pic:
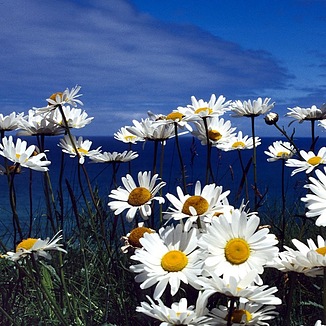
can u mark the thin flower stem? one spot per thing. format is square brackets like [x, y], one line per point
[289, 297]
[209, 172]
[313, 138]
[244, 175]
[254, 160]
[182, 167]
[30, 193]
[283, 206]
[231, 308]
[324, 295]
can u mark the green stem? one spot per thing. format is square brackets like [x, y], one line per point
[283, 207]
[209, 172]
[254, 160]
[182, 167]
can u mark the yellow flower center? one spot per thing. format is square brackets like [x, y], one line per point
[174, 116]
[26, 244]
[314, 160]
[129, 137]
[174, 261]
[139, 196]
[214, 135]
[238, 314]
[199, 203]
[54, 95]
[282, 154]
[238, 144]
[237, 251]
[208, 110]
[136, 234]
[82, 150]
[321, 251]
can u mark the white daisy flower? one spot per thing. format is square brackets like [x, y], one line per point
[107, 157]
[280, 150]
[200, 109]
[244, 314]
[76, 118]
[147, 129]
[219, 131]
[318, 323]
[203, 204]
[250, 109]
[309, 163]
[178, 314]
[38, 124]
[62, 98]
[236, 248]
[37, 248]
[174, 117]
[170, 257]
[312, 113]
[127, 137]
[316, 198]
[239, 142]
[131, 240]
[136, 198]
[25, 156]
[11, 121]
[237, 288]
[82, 146]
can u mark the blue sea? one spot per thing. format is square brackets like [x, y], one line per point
[29, 185]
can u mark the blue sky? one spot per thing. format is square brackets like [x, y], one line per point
[131, 56]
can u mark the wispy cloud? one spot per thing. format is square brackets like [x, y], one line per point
[125, 61]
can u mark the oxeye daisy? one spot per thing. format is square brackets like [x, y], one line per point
[170, 257]
[309, 163]
[203, 204]
[175, 117]
[132, 238]
[235, 247]
[239, 142]
[280, 150]
[25, 156]
[136, 198]
[178, 314]
[11, 121]
[316, 198]
[107, 157]
[200, 109]
[244, 314]
[127, 137]
[37, 248]
[312, 113]
[70, 146]
[251, 109]
[219, 131]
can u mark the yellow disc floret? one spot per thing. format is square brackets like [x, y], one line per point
[214, 135]
[240, 316]
[175, 116]
[238, 144]
[136, 234]
[314, 160]
[26, 244]
[321, 251]
[174, 261]
[237, 251]
[139, 196]
[208, 110]
[199, 203]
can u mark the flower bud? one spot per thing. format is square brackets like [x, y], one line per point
[271, 118]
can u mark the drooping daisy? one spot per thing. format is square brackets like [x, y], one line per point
[312, 113]
[107, 157]
[170, 257]
[136, 198]
[62, 98]
[309, 163]
[251, 109]
[237, 288]
[131, 240]
[236, 248]
[149, 130]
[127, 137]
[70, 146]
[316, 198]
[219, 131]
[244, 314]
[11, 121]
[25, 156]
[37, 124]
[178, 314]
[280, 150]
[203, 204]
[37, 248]
[200, 109]
[76, 118]
[239, 142]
